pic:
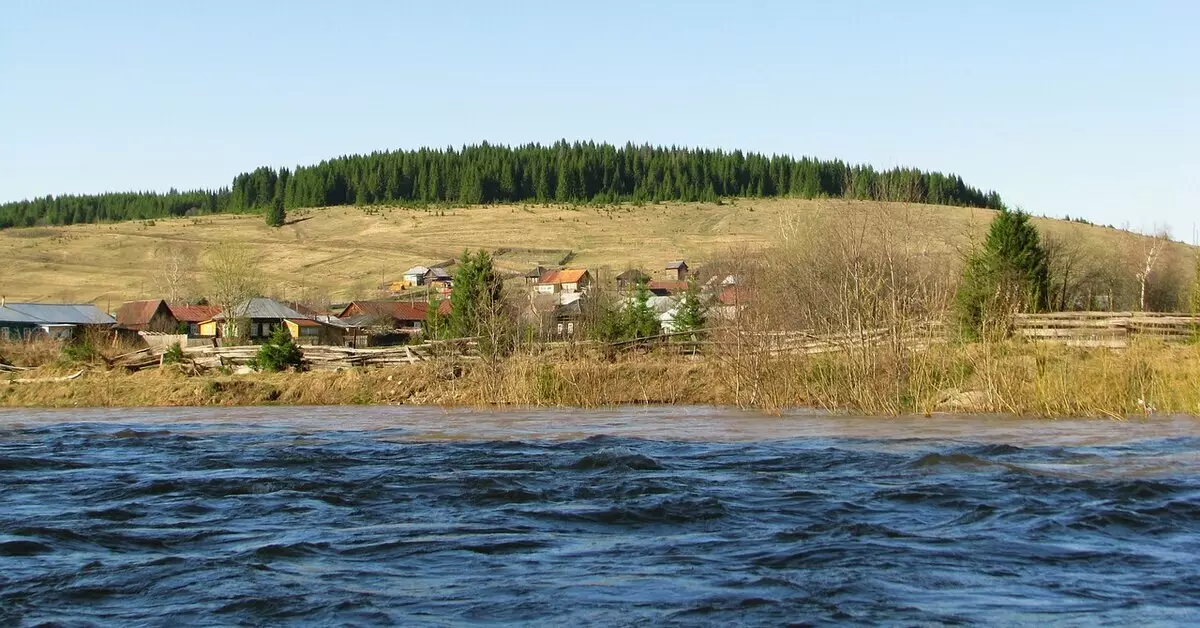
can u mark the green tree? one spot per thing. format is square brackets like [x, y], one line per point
[476, 296]
[437, 325]
[692, 314]
[279, 352]
[1009, 274]
[276, 214]
[641, 321]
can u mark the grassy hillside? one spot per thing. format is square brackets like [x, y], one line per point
[346, 252]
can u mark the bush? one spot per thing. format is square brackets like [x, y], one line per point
[279, 353]
[173, 354]
[81, 351]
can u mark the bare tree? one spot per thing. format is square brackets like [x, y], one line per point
[232, 276]
[1152, 247]
[175, 279]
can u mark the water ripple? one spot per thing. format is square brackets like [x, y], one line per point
[119, 524]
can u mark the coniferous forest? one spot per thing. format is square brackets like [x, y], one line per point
[562, 173]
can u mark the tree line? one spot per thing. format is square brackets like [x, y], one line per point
[564, 172]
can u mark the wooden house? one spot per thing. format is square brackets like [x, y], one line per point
[566, 280]
[667, 288]
[153, 315]
[629, 279]
[680, 268]
[192, 316]
[56, 320]
[259, 317]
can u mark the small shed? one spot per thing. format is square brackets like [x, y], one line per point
[680, 267]
[416, 275]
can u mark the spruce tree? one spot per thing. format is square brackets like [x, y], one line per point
[641, 321]
[276, 215]
[477, 293]
[691, 314]
[1009, 274]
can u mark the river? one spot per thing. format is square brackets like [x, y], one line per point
[630, 516]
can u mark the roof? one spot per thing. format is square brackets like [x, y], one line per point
[439, 273]
[573, 309]
[138, 313]
[670, 287]
[536, 272]
[398, 310]
[262, 307]
[733, 295]
[633, 274]
[54, 313]
[194, 313]
[303, 322]
[672, 265]
[417, 270]
[568, 275]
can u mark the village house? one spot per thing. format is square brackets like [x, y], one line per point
[259, 317]
[152, 316]
[567, 280]
[556, 315]
[416, 275]
[629, 279]
[535, 275]
[667, 288]
[24, 321]
[192, 316]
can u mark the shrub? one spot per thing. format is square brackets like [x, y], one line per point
[279, 353]
[173, 354]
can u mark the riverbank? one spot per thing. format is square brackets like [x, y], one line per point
[1013, 377]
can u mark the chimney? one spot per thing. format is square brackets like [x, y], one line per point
[1, 300]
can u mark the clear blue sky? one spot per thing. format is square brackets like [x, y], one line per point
[1087, 108]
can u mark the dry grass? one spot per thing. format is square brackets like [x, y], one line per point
[1010, 377]
[345, 252]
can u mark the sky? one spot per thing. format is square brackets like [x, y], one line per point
[1079, 108]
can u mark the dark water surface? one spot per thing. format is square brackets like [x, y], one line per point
[370, 516]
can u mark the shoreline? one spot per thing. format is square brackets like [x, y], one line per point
[1015, 379]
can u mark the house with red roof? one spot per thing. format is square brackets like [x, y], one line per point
[565, 280]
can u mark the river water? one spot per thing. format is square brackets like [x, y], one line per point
[676, 516]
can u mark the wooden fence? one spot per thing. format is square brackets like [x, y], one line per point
[1082, 329]
[1105, 329]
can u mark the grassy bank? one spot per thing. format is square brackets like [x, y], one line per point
[1010, 377]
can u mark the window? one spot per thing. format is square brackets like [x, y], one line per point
[4, 333]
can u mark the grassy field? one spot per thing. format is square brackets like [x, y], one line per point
[346, 252]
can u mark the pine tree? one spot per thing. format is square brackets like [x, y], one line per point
[1009, 274]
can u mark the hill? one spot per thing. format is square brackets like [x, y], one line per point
[345, 252]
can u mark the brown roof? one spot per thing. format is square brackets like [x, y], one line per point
[303, 322]
[194, 313]
[396, 310]
[569, 275]
[670, 287]
[137, 313]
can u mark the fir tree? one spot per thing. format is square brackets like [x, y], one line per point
[476, 295]
[276, 215]
[641, 321]
[691, 315]
[1008, 274]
